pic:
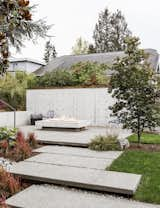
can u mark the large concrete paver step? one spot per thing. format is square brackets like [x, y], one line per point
[92, 179]
[46, 196]
[82, 152]
[73, 161]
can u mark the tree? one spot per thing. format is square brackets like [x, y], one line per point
[91, 49]
[50, 52]
[134, 87]
[16, 25]
[110, 32]
[80, 47]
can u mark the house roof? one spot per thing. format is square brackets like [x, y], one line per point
[65, 62]
[15, 60]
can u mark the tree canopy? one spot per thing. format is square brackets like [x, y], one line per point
[16, 25]
[110, 32]
[134, 86]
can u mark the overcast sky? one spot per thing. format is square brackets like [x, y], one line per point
[74, 18]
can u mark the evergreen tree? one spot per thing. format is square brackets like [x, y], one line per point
[110, 32]
[136, 92]
[16, 25]
[80, 47]
[50, 52]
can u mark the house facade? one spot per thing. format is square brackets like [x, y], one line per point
[24, 64]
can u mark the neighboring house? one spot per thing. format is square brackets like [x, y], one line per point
[24, 64]
[65, 62]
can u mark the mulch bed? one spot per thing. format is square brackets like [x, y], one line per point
[145, 147]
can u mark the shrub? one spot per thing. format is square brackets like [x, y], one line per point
[13, 88]
[80, 74]
[8, 184]
[16, 147]
[31, 140]
[22, 149]
[88, 74]
[104, 143]
[56, 78]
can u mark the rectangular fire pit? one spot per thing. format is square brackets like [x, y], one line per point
[62, 123]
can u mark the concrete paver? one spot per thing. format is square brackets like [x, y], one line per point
[45, 196]
[98, 180]
[76, 151]
[71, 161]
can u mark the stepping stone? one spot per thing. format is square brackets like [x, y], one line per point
[45, 196]
[76, 139]
[98, 180]
[82, 152]
[72, 161]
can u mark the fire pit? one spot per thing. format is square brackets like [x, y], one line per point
[62, 123]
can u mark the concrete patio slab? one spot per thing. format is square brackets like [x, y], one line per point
[71, 161]
[46, 196]
[92, 179]
[68, 138]
[82, 152]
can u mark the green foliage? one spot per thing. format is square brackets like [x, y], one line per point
[8, 134]
[134, 87]
[57, 78]
[88, 74]
[13, 88]
[81, 74]
[148, 165]
[104, 143]
[110, 32]
[146, 138]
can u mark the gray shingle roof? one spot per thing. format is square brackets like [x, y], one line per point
[65, 62]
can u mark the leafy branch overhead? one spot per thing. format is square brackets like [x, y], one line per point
[134, 86]
[16, 25]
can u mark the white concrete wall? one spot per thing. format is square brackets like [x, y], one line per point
[84, 103]
[7, 118]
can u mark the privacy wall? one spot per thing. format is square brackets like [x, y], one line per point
[7, 119]
[85, 103]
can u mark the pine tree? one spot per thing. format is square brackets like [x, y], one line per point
[50, 52]
[110, 32]
[136, 92]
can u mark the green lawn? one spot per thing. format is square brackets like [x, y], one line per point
[148, 165]
[146, 138]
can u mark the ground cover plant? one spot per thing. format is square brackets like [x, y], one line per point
[147, 164]
[15, 146]
[104, 143]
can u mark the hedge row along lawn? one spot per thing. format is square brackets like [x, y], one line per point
[147, 138]
[148, 165]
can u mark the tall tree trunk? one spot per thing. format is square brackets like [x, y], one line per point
[139, 131]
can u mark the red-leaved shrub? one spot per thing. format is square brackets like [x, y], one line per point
[22, 149]
[8, 184]
[32, 140]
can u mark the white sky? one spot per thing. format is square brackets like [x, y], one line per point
[75, 18]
